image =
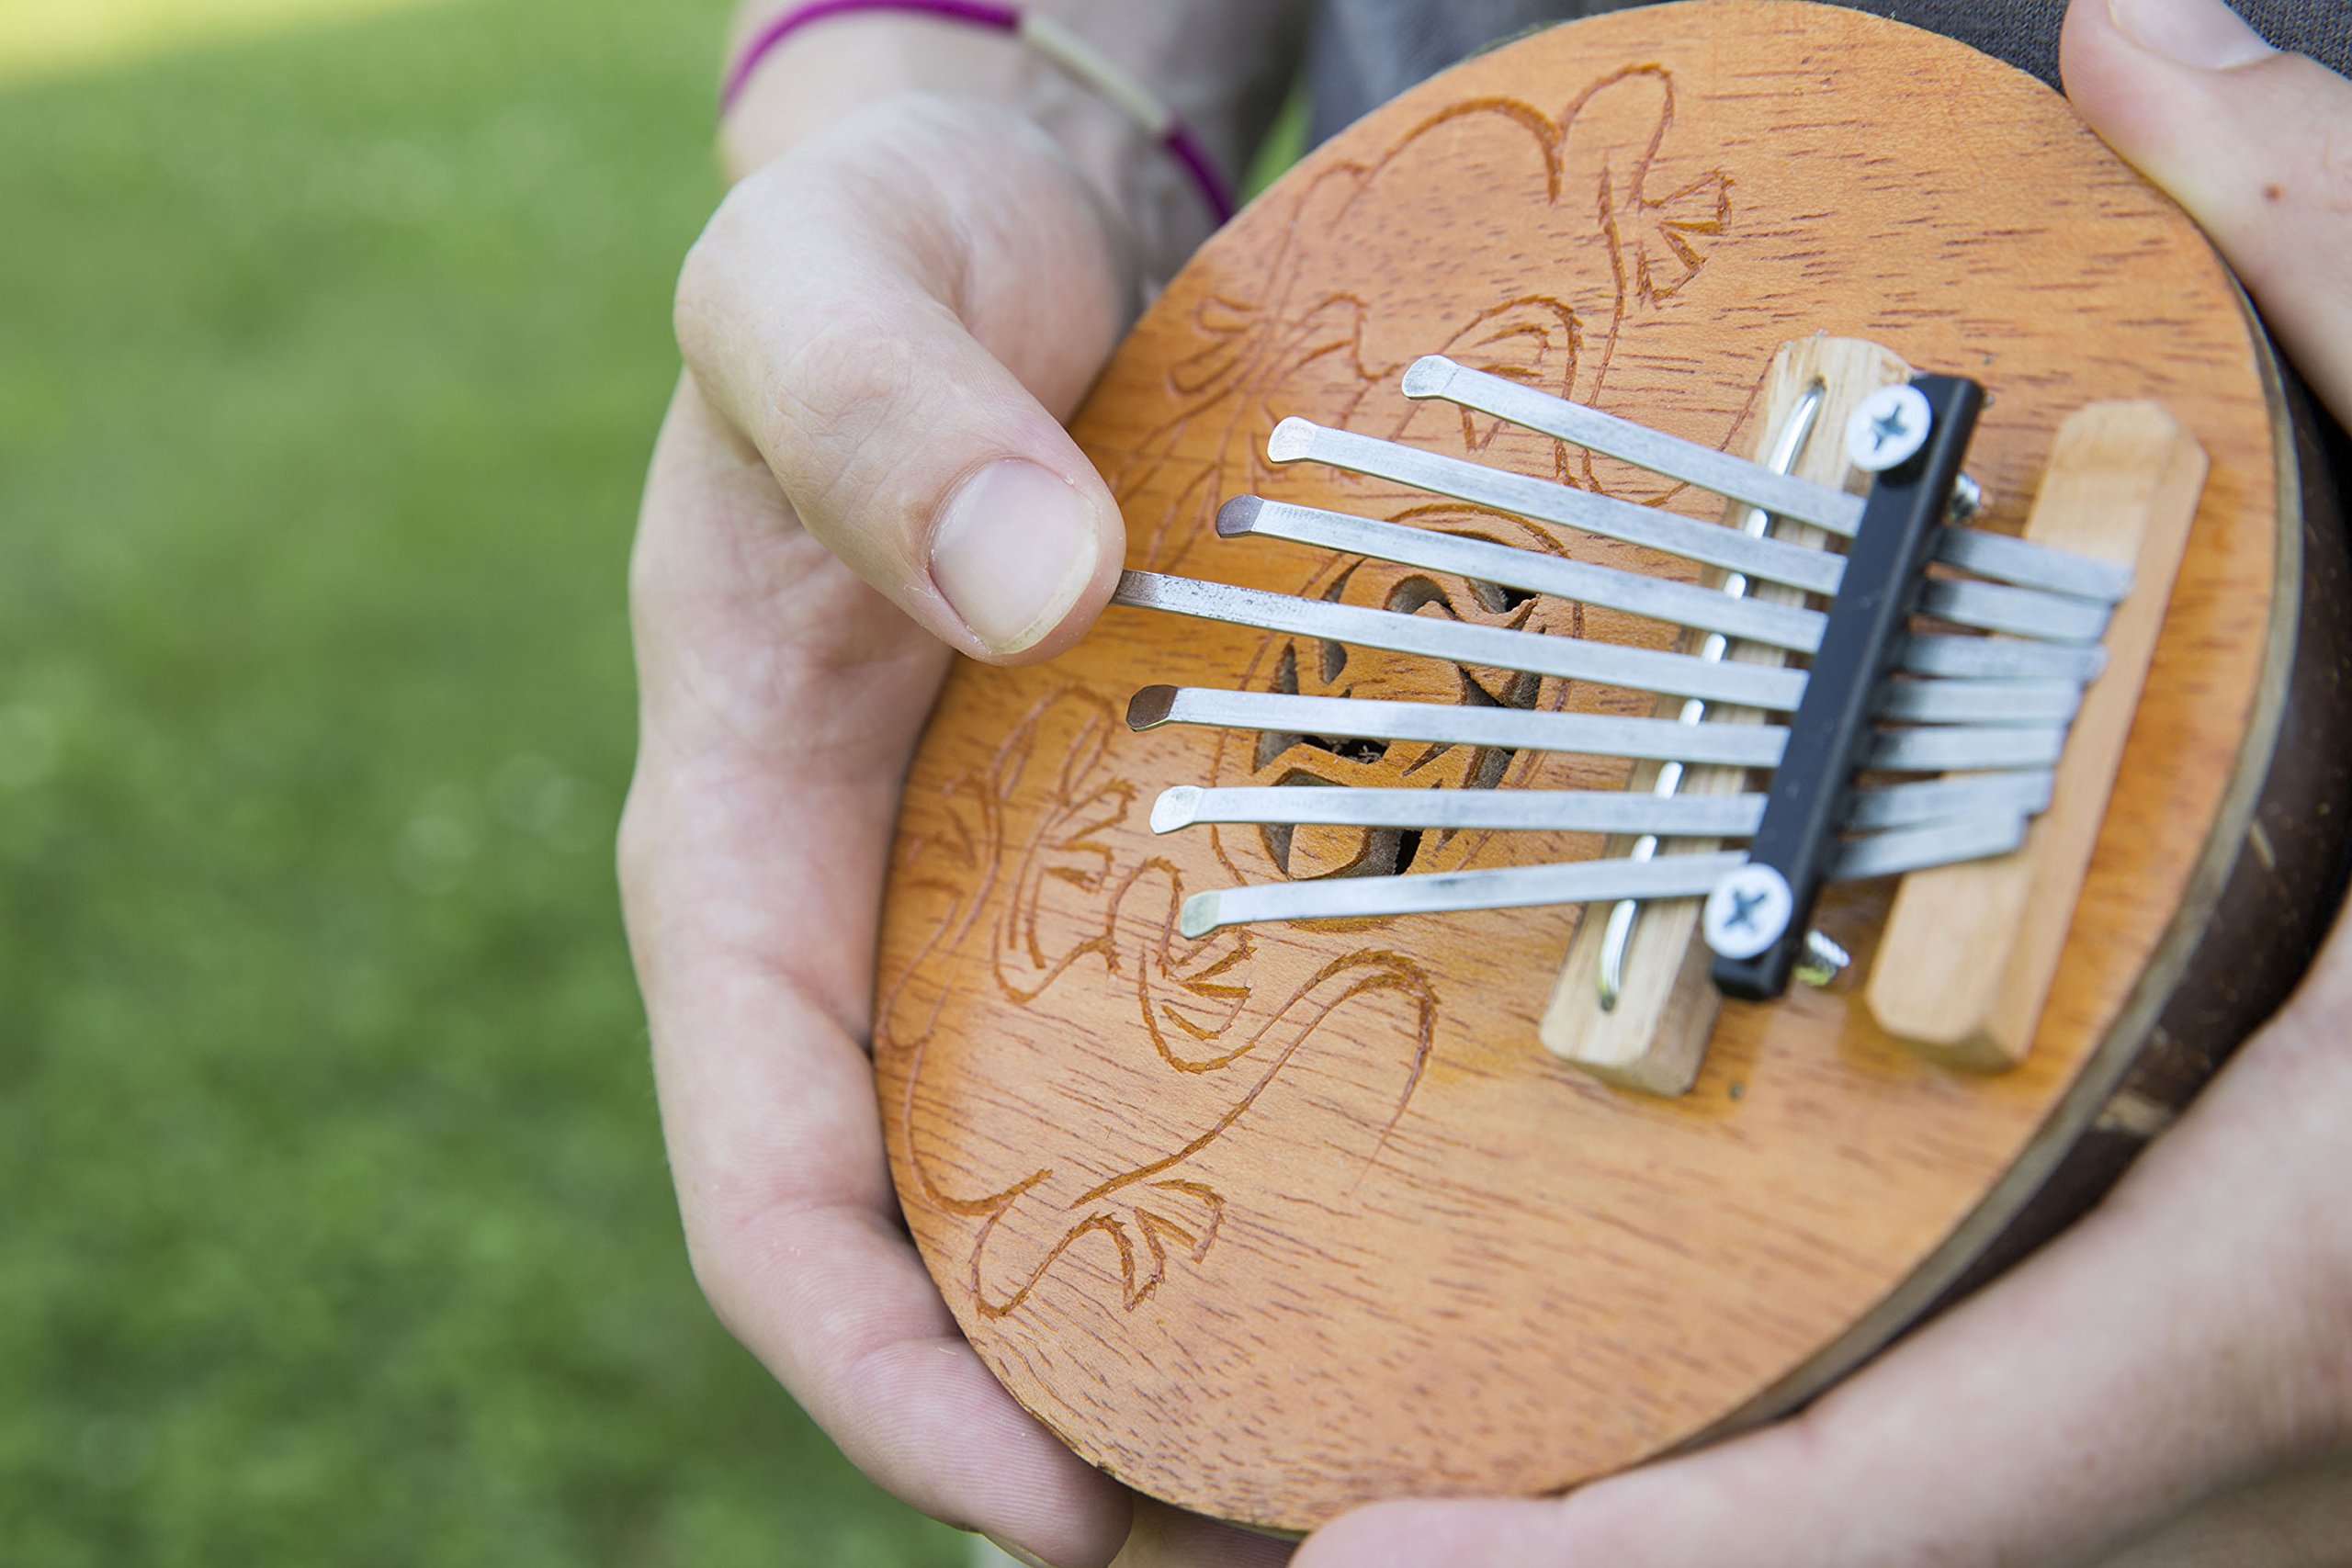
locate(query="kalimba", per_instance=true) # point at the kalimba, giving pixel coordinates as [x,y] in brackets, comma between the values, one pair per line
[1723,700]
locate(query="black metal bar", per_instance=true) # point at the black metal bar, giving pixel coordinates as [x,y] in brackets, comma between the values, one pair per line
[1798,837]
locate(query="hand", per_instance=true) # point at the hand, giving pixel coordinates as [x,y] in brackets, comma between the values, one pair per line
[2192,1337]
[883,329]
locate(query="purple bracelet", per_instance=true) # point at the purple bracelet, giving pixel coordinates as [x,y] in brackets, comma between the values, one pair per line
[1048,37]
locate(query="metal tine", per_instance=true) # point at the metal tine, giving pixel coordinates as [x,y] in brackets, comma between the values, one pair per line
[1917,849]
[1508,887]
[1995,555]
[1576,659]
[1498,648]
[1921,750]
[1952,749]
[1980,702]
[1532,571]
[1437,810]
[1586,810]
[2000,659]
[1782,495]
[1442,724]
[2023,612]
[1814,572]
[2006,560]
[2020,790]
[1578,882]
[1984,606]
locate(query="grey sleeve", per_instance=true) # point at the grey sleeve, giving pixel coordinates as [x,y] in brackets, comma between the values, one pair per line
[1367,52]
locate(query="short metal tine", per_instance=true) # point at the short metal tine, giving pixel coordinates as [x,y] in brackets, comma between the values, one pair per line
[1918,849]
[2006,703]
[2005,559]
[2024,791]
[2024,612]
[1948,749]
[1439,810]
[1956,658]
[1781,494]
[1512,730]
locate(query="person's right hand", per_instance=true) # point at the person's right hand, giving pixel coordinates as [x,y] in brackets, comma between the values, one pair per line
[883,329]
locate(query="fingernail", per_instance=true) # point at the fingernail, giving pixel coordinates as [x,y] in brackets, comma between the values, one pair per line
[1014,1553]
[1013,549]
[2204,33]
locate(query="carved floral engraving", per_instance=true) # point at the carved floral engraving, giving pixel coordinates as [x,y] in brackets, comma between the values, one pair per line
[1026,892]
[1583,180]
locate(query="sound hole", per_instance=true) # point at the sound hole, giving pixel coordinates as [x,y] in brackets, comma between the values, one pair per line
[1320,761]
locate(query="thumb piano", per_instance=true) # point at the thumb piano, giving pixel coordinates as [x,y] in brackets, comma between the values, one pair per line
[1723,702]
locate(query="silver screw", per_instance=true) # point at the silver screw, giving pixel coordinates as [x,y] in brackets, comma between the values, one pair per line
[1968,501]
[1891,424]
[1748,911]
[1823,961]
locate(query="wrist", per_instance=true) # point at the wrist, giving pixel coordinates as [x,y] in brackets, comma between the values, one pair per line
[828,71]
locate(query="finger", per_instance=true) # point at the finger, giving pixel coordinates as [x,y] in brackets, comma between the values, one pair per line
[753,850]
[2255,144]
[2188,1336]
[898,315]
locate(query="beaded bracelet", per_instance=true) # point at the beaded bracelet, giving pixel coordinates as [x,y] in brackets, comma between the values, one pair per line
[1050,38]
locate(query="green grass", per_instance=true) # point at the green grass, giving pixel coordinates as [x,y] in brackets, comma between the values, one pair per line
[336,1224]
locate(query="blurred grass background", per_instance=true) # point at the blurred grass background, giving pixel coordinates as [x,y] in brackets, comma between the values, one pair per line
[333,337]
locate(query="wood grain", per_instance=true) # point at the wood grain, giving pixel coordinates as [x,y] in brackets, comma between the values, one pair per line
[1970,950]
[1656,1036]
[1290,1218]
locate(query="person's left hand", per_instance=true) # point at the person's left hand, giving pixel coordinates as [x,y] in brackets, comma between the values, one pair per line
[2173,1377]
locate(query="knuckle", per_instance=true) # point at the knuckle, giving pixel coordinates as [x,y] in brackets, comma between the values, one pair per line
[707,279]
[720,1277]
[750,236]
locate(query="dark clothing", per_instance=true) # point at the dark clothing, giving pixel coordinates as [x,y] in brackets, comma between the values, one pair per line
[1367,52]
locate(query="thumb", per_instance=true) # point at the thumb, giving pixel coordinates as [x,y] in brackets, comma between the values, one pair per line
[895,315]
[2257,144]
